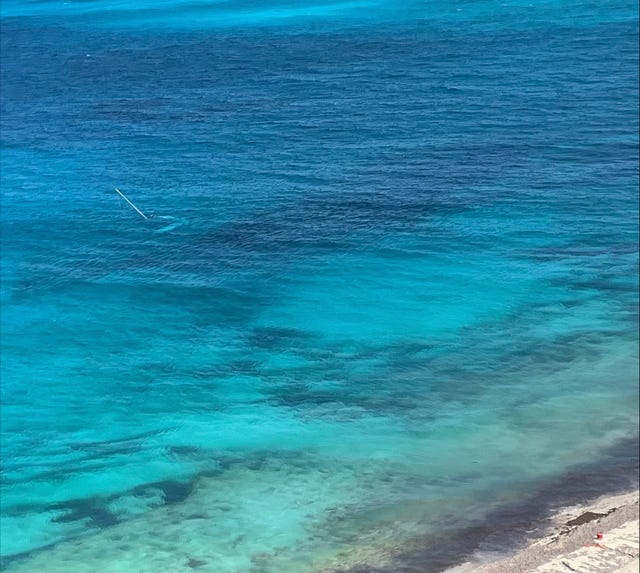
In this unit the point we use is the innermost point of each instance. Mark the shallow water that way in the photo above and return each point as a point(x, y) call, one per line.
point(388, 286)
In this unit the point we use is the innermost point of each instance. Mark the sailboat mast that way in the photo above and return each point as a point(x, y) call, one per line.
point(130, 203)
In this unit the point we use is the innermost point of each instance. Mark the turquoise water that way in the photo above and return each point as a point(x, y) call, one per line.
point(387, 288)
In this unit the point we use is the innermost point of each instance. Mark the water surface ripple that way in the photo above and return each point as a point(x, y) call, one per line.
point(384, 309)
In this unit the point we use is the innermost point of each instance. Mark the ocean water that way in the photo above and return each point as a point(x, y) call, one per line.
point(386, 295)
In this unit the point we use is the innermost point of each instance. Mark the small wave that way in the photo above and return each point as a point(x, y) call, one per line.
point(172, 223)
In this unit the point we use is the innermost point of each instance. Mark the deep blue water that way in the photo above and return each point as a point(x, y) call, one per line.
point(387, 287)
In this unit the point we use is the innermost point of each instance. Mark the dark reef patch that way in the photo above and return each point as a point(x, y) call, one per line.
point(172, 491)
point(80, 510)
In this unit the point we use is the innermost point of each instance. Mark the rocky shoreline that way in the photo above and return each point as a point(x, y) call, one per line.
point(598, 537)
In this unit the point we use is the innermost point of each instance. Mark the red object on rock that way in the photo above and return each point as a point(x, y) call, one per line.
point(599, 535)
